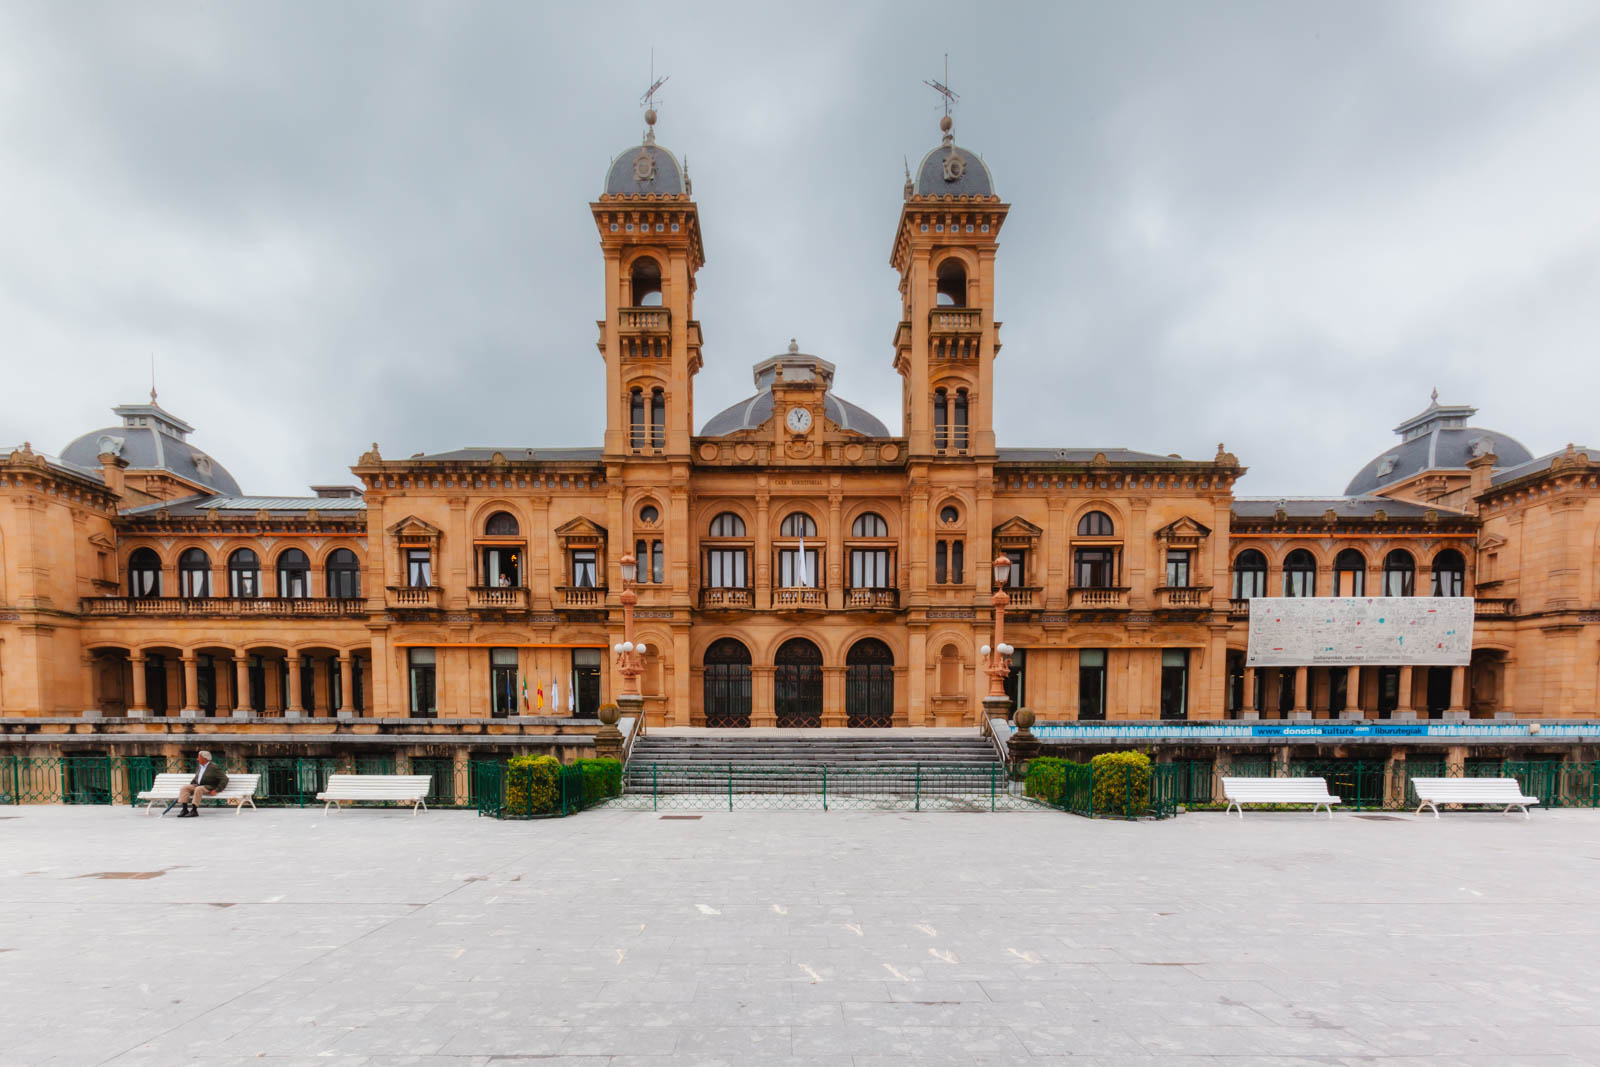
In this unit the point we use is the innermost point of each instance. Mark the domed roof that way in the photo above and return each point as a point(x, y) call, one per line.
point(951, 170)
point(151, 439)
point(1436, 439)
point(794, 366)
point(646, 168)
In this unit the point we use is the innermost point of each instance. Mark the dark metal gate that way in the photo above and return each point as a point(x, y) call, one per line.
point(869, 684)
point(797, 684)
point(727, 684)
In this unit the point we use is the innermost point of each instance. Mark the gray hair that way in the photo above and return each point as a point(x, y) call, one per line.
point(205, 755)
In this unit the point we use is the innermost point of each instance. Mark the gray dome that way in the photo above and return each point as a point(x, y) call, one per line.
point(645, 168)
point(1437, 439)
point(967, 176)
point(795, 366)
point(151, 439)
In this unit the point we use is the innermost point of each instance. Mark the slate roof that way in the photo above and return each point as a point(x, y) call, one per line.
point(1347, 507)
point(1081, 455)
point(205, 504)
point(477, 454)
point(748, 414)
point(148, 448)
point(1542, 463)
point(667, 175)
point(975, 178)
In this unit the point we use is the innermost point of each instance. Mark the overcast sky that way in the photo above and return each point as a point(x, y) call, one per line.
point(1277, 225)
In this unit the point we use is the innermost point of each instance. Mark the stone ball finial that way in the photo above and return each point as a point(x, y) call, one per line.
point(649, 116)
point(794, 347)
point(1024, 718)
point(945, 124)
point(609, 714)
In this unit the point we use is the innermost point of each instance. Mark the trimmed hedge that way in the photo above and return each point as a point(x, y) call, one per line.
point(602, 778)
point(1112, 783)
point(1046, 779)
point(533, 785)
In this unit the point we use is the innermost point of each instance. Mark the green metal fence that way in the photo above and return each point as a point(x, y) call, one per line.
point(758, 786)
point(507, 791)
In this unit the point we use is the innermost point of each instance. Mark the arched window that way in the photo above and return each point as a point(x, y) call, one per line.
point(1449, 574)
point(1399, 574)
point(294, 574)
point(194, 573)
point(726, 524)
point(952, 284)
point(1249, 575)
point(797, 524)
point(941, 418)
point(949, 514)
point(727, 684)
point(244, 573)
point(869, 524)
point(797, 683)
point(344, 574)
point(144, 574)
point(949, 670)
point(658, 418)
point(502, 524)
point(869, 684)
point(1350, 573)
point(646, 282)
point(636, 431)
point(1096, 524)
point(958, 429)
point(1300, 574)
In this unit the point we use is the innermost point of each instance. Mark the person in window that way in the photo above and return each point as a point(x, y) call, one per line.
point(505, 581)
point(208, 779)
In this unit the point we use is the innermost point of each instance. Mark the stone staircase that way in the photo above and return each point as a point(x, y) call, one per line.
point(881, 763)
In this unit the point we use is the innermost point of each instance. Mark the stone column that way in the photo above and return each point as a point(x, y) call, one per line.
point(1352, 693)
point(1301, 677)
point(1247, 709)
point(1403, 710)
point(1458, 694)
point(762, 711)
point(347, 708)
point(241, 687)
point(191, 686)
point(292, 706)
point(833, 709)
point(139, 709)
point(91, 706)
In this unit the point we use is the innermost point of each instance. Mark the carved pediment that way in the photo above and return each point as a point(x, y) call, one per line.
point(1017, 531)
point(581, 528)
point(412, 528)
point(100, 540)
point(1183, 531)
point(1491, 541)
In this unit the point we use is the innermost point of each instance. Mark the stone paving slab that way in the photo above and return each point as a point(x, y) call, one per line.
point(851, 938)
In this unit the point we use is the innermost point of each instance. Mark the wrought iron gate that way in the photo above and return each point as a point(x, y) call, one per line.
point(727, 684)
point(869, 684)
point(797, 684)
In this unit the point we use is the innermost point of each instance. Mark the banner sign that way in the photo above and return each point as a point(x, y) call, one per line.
point(1360, 631)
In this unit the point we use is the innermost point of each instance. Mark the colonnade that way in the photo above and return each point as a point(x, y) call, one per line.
point(1404, 707)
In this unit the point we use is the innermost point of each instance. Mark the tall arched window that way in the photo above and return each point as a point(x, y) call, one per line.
point(797, 683)
point(343, 574)
point(1449, 574)
point(501, 524)
point(1096, 524)
point(658, 418)
point(869, 524)
point(1249, 575)
point(194, 573)
point(797, 524)
point(941, 418)
point(646, 282)
point(636, 430)
point(726, 565)
point(952, 277)
point(1300, 574)
point(1399, 574)
point(727, 684)
point(144, 574)
point(958, 428)
point(294, 574)
point(869, 684)
point(726, 524)
point(1350, 573)
point(799, 566)
point(244, 573)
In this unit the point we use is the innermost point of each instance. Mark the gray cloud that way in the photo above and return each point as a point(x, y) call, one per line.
point(1273, 225)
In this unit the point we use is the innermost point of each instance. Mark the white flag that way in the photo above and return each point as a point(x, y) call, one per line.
point(800, 564)
point(572, 693)
point(555, 693)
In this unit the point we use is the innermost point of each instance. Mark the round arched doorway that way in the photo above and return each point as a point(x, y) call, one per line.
point(869, 684)
point(727, 684)
point(797, 683)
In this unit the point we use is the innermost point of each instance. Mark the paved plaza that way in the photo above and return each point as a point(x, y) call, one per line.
point(622, 938)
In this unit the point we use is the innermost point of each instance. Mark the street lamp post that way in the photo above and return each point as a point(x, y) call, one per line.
point(997, 659)
point(630, 664)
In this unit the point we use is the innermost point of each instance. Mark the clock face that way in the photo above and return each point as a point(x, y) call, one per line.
point(799, 420)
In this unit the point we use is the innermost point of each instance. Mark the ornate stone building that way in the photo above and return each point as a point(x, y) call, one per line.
point(799, 563)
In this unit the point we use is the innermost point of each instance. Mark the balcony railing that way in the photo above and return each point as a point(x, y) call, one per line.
point(223, 606)
point(415, 597)
point(1239, 607)
point(644, 320)
point(1496, 606)
point(1183, 596)
point(720, 599)
point(799, 598)
point(500, 597)
point(581, 596)
point(1097, 599)
point(955, 320)
point(872, 599)
point(1023, 597)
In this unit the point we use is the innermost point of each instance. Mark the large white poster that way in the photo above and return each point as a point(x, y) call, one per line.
point(1360, 631)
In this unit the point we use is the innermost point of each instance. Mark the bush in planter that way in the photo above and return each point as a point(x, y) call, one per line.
point(601, 778)
point(1046, 779)
point(1121, 783)
point(533, 785)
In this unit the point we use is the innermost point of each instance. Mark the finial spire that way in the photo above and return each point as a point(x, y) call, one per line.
point(649, 100)
point(950, 98)
point(152, 378)
point(1434, 396)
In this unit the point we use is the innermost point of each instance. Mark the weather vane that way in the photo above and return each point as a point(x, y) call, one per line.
point(648, 100)
point(943, 88)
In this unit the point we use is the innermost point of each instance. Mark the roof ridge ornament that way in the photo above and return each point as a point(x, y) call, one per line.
point(950, 98)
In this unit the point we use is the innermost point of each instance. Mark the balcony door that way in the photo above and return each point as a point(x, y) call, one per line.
point(797, 684)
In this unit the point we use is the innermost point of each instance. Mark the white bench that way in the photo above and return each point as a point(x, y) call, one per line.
point(405, 788)
point(1435, 791)
point(240, 789)
point(1313, 791)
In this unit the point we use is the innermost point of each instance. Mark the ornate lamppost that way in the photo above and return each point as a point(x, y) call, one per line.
point(997, 659)
point(629, 658)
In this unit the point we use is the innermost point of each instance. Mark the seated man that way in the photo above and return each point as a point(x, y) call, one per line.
point(208, 779)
